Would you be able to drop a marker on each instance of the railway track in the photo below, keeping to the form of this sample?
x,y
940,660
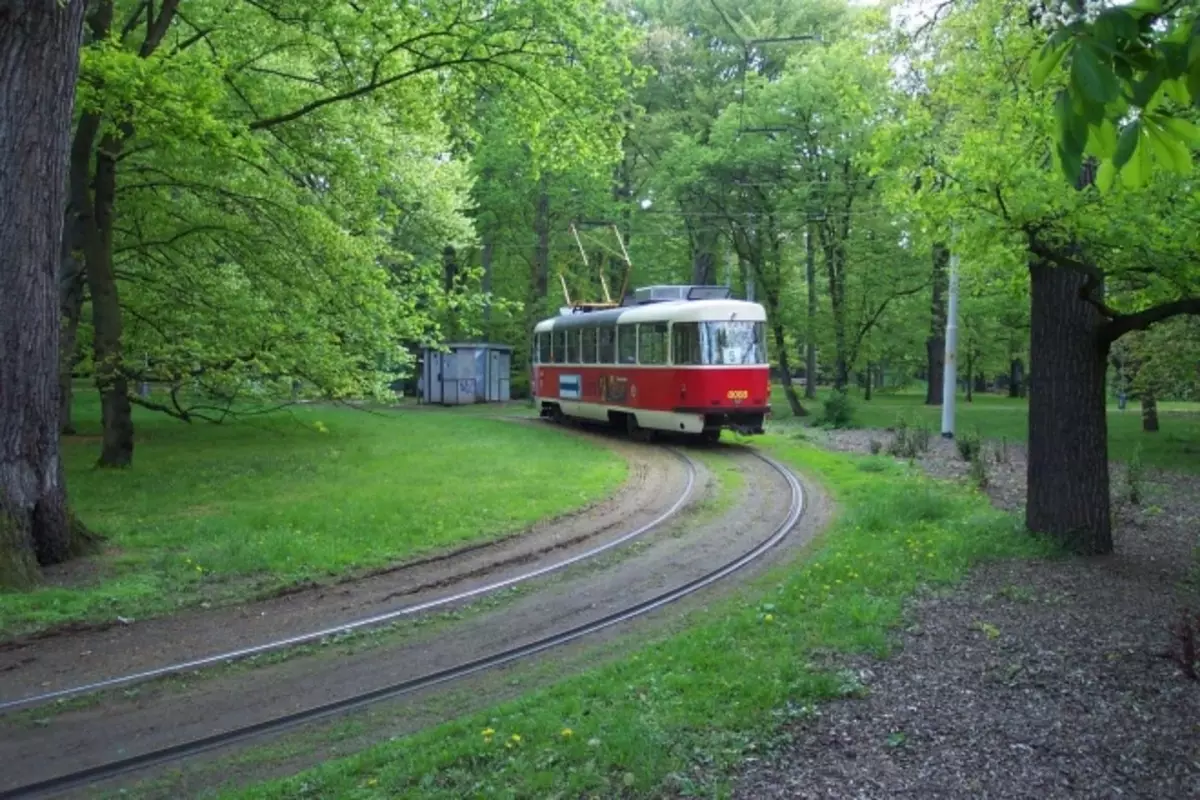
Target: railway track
x,y
195,746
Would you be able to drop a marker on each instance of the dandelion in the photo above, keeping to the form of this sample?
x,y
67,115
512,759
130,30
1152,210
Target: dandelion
x,y
567,733
769,618
516,737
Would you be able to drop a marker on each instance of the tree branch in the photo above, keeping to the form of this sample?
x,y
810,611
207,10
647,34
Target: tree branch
x,y
1122,324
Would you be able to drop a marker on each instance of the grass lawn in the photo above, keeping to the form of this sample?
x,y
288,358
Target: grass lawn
x,y
1175,446
683,709
213,512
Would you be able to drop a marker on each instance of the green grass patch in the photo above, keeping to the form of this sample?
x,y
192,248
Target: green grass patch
x,y
683,709
1176,446
222,512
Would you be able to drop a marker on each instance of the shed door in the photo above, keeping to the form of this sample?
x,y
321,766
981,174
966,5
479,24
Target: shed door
x,y
504,378
434,377
493,393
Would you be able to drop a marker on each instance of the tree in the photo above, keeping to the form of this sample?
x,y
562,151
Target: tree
x,y
263,193
1100,265
39,56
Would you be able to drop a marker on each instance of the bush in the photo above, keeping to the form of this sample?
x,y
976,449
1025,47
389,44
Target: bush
x,y
875,446
519,387
969,446
838,411
909,442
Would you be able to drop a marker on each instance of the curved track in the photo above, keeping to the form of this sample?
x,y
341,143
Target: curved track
x,y
361,623
656,600
47,670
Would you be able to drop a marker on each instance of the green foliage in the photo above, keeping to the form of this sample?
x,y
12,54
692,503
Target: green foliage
x,y
909,440
1132,80
221,513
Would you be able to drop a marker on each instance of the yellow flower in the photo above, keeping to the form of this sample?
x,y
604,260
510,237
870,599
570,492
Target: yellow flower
x,y
373,782
516,737
769,618
488,732
567,733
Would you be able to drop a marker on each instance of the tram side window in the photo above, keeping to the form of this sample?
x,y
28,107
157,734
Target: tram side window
x,y
652,343
543,354
685,343
588,356
572,346
627,344
608,345
557,350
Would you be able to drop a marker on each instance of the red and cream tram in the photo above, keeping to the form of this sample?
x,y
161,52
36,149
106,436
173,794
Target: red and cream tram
x,y
681,358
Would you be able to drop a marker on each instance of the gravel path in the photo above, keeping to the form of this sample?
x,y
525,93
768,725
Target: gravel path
x,y
1031,680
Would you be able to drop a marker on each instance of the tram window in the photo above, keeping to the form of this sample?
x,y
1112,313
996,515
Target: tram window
x,y
543,348
685,343
588,355
572,346
726,343
558,350
652,343
608,345
627,344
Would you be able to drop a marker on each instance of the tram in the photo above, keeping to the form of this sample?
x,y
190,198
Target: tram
x,y
685,359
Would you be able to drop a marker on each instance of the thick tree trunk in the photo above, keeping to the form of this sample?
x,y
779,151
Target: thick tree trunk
x,y
39,57
1016,378
115,409
935,343
1149,412
1067,480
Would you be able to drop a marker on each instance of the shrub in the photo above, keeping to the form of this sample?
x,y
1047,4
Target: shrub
x,y
875,446
969,446
909,442
838,411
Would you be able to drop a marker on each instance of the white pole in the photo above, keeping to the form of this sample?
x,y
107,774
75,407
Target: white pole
x,y
949,370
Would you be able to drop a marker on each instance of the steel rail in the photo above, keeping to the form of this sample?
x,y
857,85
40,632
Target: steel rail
x,y
33,701
113,769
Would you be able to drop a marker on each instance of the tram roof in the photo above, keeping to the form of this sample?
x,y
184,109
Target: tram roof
x,y
666,311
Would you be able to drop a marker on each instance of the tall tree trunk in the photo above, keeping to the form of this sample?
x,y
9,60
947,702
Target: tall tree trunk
x,y
541,252
785,370
704,257
486,256
1067,480
810,344
1016,378
935,343
39,58
1149,412
71,291
115,409
834,261
870,375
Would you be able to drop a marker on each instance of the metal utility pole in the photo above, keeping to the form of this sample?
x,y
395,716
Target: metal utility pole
x,y
949,372
810,350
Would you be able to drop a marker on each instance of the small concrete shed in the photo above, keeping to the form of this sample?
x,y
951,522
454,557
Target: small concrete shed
x,y
471,372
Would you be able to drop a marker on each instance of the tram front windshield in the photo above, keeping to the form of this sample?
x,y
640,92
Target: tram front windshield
x,y
724,343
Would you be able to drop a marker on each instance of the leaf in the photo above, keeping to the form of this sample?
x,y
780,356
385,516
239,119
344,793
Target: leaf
x,y
1145,89
1105,175
1185,130
1126,144
1136,171
1102,141
1047,61
1091,75
1177,90
1168,149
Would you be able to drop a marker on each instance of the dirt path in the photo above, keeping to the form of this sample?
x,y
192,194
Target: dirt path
x,y
40,665
1034,680
667,557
